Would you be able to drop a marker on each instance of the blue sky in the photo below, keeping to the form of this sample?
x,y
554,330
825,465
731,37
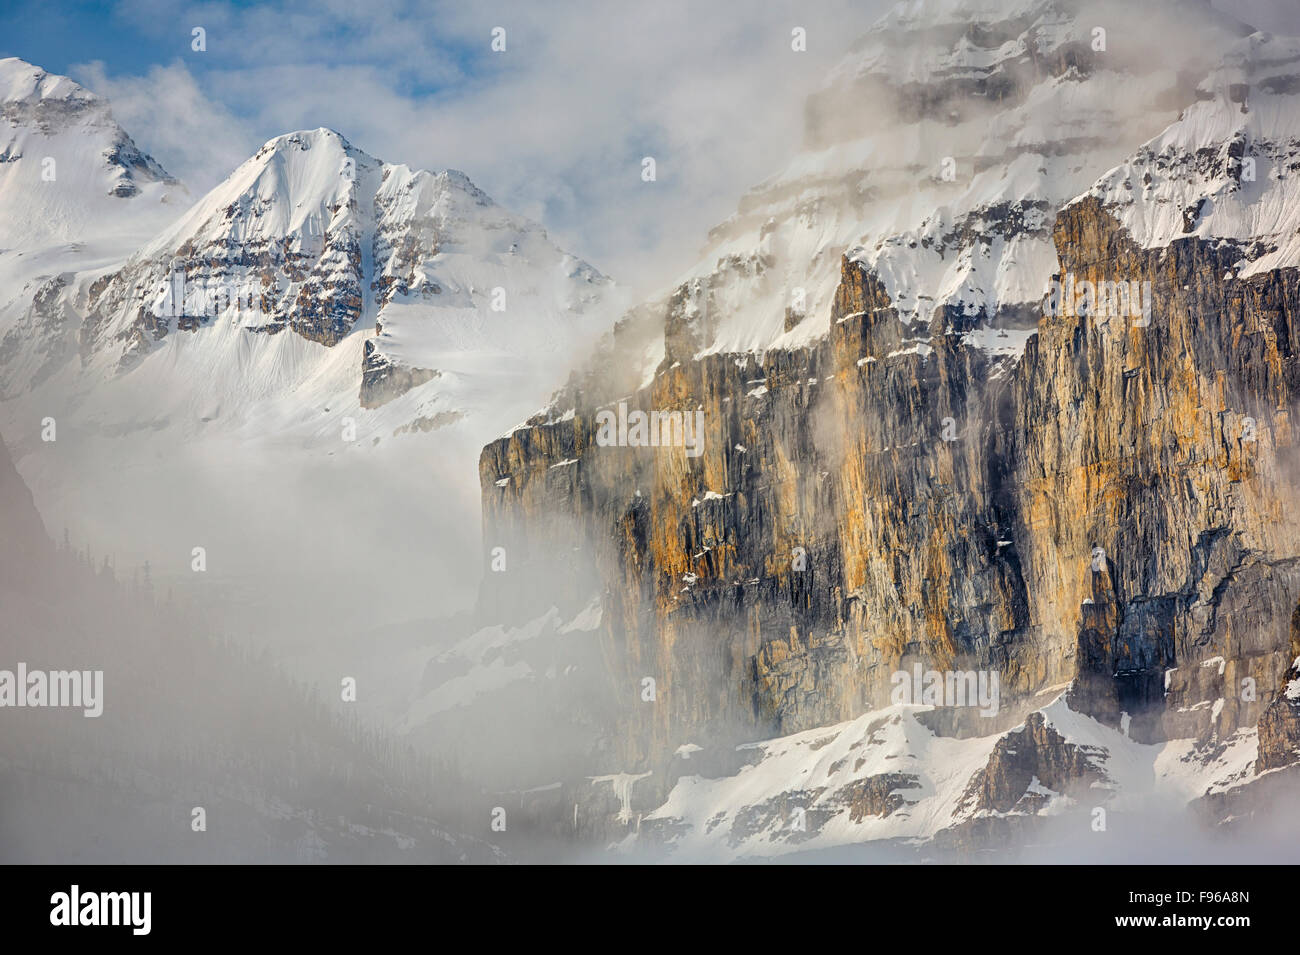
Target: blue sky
x,y
555,127
128,37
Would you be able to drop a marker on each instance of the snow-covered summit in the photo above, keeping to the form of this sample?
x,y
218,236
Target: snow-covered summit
x,y
285,188
23,83
68,171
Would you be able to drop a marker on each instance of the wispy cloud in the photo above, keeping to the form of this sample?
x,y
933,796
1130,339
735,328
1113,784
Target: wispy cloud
x,y
194,136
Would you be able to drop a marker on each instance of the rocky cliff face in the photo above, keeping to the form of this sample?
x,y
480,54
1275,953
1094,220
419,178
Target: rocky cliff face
x,y
1179,456
1112,509
1279,726
1028,767
830,535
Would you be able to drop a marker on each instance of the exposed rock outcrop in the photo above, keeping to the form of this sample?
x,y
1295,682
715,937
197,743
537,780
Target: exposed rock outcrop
x,y
1028,767
1279,726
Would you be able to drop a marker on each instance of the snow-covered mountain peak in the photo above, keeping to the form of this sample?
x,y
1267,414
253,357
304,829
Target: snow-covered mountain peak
x,y
23,83
320,164
303,140
68,171
299,183
315,158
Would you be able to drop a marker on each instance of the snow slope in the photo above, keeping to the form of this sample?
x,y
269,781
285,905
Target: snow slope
x,y
818,775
